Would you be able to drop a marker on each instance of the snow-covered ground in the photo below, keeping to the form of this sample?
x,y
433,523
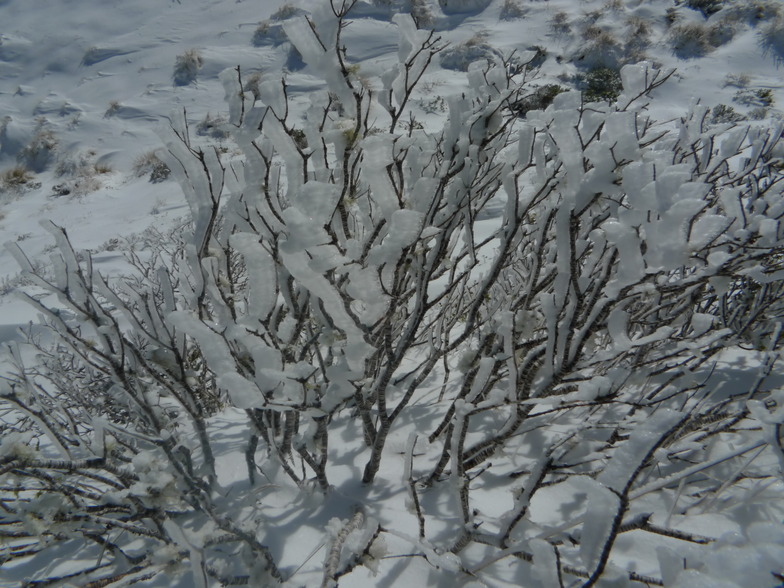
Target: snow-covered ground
x,y
87,88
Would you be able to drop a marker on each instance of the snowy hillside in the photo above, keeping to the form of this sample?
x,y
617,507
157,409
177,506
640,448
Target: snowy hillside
x,y
489,295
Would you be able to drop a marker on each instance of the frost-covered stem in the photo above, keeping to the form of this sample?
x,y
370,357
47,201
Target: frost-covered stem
x,y
523,500
624,500
331,567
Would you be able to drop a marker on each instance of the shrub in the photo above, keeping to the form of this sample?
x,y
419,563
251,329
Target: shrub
x,y
150,163
511,10
720,34
690,40
79,170
603,50
213,126
762,97
559,23
252,83
17,179
113,109
602,84
186,67
422,15
460,57
40,151
722,114
356,348
706,7
771,38
737,80
539,99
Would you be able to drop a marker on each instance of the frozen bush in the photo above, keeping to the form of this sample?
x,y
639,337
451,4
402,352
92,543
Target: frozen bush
x,y
495,351
737,80
511,10
186,67
252,85
722,113
463,6
150,164
601,50
690,40
706,7
40,151
763,97
16,180
422,14
559,23
213,126
720,33
601,84
80,171
539,99
771,38
459,57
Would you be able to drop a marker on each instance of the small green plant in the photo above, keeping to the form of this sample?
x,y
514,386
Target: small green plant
x,y
540,99
150,163
723,114
186,67
762,98
602,84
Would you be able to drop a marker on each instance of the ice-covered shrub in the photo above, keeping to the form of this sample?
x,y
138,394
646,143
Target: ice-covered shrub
x,y
270,31
601,84
150,164
601,50
771,38
690,40
459,57
40,151
560,24
738,80
511,10
214,126
722,113
422,14
463,6
762,97
17,179
497,352
186,67
706,7
539,99
79,173
253,85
